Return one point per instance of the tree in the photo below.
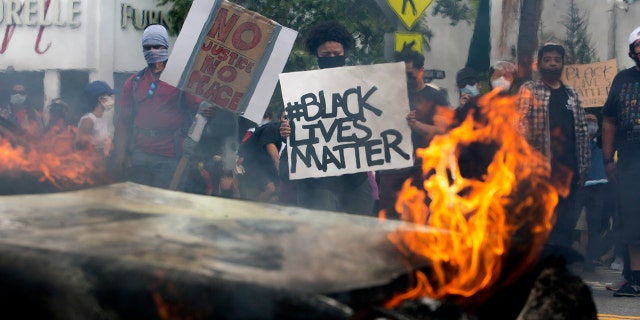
(456, 10)
(577, 42)
(530, 13)
(480, 48)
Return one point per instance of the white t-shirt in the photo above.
(100, 134)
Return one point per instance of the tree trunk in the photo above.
(480, 47)
(530, 13)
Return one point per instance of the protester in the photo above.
(153, 118)
(553, 121)
(59, 116)
(621, 133)
(98, 97)
(19, 114)
(469, 85)
(228, 185)
(350, 193)
(502, 74)
(592, 197)
(60, 134)
(261, 160)
(424, 101)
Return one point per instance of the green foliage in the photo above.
(177, 13)
(456, 10)
(577, 43)
(364, 18)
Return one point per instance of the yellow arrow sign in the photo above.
(411, 40)
(409, 11)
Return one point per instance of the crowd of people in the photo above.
(598, 167)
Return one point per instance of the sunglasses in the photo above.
(152, 89)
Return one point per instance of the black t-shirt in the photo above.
(425, 102)
(258, 158)
(562, 129)
(623, 103)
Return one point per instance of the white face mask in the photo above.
(18, 99)
(108, 102)
(502, 83)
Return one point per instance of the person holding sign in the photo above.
(151, 126)
(350, 193)
(424, 101)
(621, 133)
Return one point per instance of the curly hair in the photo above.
(328, 31)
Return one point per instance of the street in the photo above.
(608, 306)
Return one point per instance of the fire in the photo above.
(487, 200)
(53, 157)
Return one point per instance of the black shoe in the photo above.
(630, 289)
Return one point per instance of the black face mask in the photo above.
(636, 58)
(331, 62)
(553, 74)
(411, 81)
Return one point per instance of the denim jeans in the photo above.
(153, 170)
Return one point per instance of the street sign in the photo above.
(409, 11)
(409, 39)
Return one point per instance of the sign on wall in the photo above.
(591, 81)
(347, 120)
(229, 56)
(41, 34)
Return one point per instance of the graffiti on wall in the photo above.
(40, 14)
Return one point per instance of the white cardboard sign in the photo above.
(347, 120)
(229, 56)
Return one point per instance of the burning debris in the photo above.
(52, 161)
(488, 203)
(468, 247)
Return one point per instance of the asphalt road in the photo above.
(609, 307)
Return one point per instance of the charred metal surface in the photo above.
(127, 251)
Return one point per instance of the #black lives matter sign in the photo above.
(347, 120)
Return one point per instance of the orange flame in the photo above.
(53, 157)
(476, 221)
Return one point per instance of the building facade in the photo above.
(56, 46)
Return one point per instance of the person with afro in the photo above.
(350, 193)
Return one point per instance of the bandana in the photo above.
(155, 35)
(155, 56)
